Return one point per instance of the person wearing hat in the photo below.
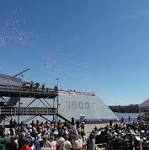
(45, 144)
(53, 142)
(77, 144)
(67, 144)
(59, 142)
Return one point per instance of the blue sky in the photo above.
(100, 45)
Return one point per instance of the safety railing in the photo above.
(27, 111)
(74, 92)
(23, 89)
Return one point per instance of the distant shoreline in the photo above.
(133, 108)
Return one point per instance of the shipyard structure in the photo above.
(26, 101)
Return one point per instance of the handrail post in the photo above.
(19, 103)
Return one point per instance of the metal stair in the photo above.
(11, 102)
(62, 114)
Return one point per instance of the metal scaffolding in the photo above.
(15, 93)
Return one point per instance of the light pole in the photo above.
(57, 97)
(19, 104)
(57, 79)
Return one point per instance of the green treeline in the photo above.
(125, 109)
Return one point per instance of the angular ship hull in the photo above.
(71, 104)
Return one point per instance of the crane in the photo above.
(20, 73)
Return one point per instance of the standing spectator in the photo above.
(37, 142)
(91, 142)
(12, 145)
(26, 145)
(60, 141)
(122, 119)
(129, 118)
(53, 142)
(67, 144)
(45, 144)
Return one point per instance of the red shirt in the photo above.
(26, 148)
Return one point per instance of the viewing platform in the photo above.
(17, 97)
(21, 91)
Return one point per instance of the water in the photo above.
(133, 116)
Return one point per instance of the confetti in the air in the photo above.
(13, 30)
(65, 65)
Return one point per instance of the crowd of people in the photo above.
(43, 136)
(64, 136)
(123, 136)
(35, 86)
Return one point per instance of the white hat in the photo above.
(138, 138)
(55, 132)
(99, 133)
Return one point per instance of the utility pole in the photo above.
(57, 79)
